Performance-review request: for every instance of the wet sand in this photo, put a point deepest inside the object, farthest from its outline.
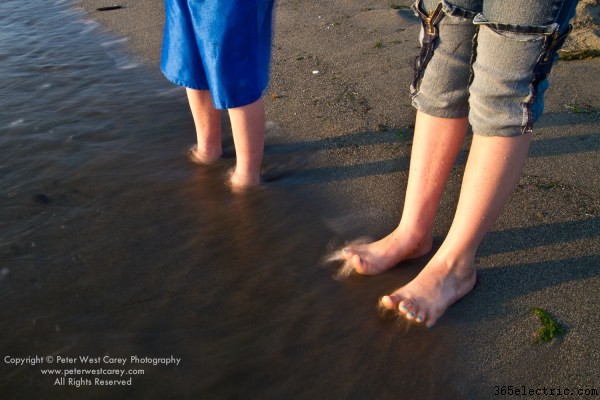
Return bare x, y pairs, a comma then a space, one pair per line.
234, 286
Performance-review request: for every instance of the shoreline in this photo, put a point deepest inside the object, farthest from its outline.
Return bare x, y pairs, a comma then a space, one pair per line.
353, 120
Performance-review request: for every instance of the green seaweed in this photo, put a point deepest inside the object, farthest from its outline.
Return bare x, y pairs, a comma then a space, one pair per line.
378, 44
547, 186
394, 6
579, 55
549, 329
299, 58
579, 109
401, 133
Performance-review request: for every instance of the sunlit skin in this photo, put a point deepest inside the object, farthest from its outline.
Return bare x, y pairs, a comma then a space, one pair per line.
248, 127
493, 169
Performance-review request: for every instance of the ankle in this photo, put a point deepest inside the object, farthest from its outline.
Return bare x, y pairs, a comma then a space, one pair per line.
209, 151
419, 237
243, 179
201, 157
460, 264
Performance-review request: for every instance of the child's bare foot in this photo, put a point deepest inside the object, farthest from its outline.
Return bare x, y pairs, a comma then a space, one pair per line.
377, 257
240, 182
201, 157
439, 285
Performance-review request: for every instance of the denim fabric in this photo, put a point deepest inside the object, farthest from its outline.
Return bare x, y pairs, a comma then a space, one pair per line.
440, 87
488, 60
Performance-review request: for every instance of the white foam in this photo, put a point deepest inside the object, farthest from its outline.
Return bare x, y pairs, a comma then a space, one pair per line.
113, 42
123, 65
16, 123
90, 26
122, 61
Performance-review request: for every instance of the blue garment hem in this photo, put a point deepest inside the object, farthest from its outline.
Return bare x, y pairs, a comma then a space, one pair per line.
218, 105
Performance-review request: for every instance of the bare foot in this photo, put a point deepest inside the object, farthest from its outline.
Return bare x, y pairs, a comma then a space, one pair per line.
377, 257
439, 285
240, 182
202, 158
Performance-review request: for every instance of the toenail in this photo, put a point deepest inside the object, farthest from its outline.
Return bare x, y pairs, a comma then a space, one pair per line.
403, 306
420, 318
411, 314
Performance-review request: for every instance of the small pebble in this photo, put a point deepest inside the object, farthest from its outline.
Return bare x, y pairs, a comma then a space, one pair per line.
109, 8
315, 72
4, 272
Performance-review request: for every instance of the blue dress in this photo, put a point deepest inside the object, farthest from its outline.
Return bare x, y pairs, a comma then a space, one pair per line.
219, 45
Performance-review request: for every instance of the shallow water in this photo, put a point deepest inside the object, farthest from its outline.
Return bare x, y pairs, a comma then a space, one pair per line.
112, 243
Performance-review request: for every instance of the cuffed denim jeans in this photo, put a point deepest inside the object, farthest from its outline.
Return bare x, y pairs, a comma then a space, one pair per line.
488, 60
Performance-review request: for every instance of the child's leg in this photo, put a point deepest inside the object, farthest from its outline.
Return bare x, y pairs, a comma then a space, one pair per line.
207, 120
248, 128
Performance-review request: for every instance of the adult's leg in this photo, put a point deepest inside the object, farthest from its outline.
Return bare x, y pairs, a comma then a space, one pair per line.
440, 94
492, 171
436, 144
506, 97
248, 128
207, 120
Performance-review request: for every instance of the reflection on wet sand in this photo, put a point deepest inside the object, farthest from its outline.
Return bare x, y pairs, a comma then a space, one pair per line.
113, 243
167, 262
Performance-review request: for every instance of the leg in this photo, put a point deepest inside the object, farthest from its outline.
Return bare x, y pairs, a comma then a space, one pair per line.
440, 94
505, 99
181, 63
248, 127
493, 169
436, 143
234, 40
207, 120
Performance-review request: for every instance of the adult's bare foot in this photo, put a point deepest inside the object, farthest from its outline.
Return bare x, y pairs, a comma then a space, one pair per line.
377, 257
439, 285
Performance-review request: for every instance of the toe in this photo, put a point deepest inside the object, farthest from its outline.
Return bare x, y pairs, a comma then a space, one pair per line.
414, 314
353, 259
387, 302
359, 264
348, 252
431, 320
348, 264
391, 301
408, 306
